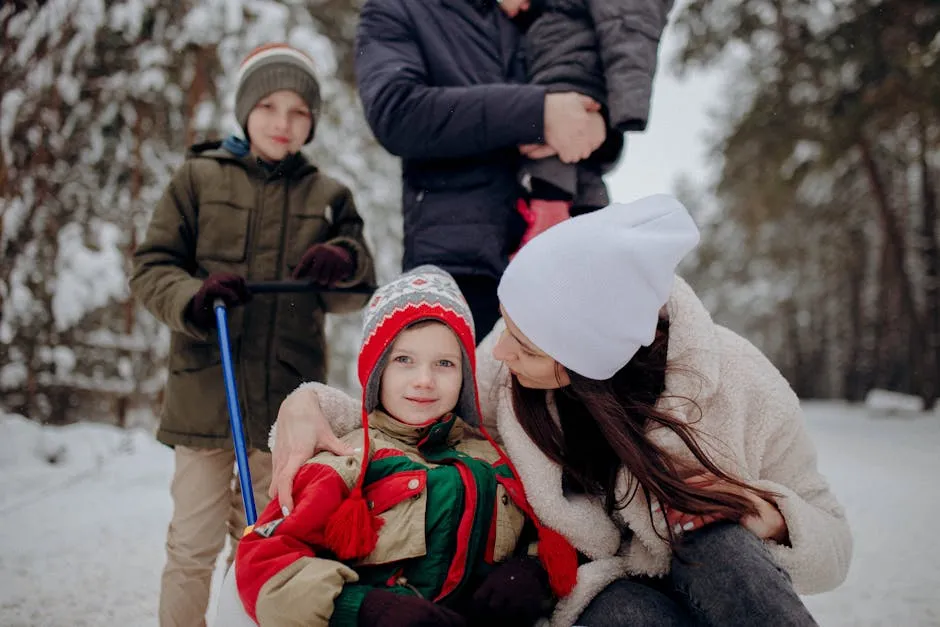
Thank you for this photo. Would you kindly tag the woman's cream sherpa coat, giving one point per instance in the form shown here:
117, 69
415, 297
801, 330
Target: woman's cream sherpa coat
750, 423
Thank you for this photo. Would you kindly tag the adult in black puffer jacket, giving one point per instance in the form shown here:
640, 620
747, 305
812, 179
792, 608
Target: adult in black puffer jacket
606, 50
443, 86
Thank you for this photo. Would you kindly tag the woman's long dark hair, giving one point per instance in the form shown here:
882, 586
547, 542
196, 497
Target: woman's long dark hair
604, 427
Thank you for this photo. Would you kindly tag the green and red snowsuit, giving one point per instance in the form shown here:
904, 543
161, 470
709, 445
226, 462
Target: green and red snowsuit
450, 505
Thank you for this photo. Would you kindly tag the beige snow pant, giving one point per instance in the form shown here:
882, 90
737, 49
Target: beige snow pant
207, 503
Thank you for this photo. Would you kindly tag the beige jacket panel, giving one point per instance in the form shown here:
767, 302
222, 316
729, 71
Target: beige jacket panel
302, 594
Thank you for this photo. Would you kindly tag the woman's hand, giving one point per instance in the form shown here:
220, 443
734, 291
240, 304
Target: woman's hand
302, 431
681, 523
767, 524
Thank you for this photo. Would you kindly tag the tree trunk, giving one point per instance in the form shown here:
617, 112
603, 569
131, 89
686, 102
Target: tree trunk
197, 91
129, 308
895, 257
931, 256
894, 238
882, 336
797, 361
854, 378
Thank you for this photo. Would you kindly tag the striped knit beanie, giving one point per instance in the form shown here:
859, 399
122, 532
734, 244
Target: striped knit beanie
271, 68
428, 293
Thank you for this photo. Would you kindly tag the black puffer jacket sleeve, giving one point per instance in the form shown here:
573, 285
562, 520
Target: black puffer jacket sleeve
415, 120
562, 50
628, 33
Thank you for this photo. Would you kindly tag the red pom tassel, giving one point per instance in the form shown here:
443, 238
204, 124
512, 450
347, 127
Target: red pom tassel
352, 531
560, 561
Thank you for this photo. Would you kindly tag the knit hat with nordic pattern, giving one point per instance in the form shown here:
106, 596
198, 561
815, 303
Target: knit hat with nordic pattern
428, 293
271, 68
424, 293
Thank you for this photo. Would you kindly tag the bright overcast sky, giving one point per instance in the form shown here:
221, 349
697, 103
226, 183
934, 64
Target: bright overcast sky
675, 140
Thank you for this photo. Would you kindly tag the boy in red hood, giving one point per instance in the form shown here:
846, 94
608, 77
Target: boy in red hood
425, 528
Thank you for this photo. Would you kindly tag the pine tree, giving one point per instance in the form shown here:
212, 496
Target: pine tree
827, 175
98, 102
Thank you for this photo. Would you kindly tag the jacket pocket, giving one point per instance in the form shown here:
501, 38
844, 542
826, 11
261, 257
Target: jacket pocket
401, 500
508, 522
195, 402
188, 355
223, 232
468, 246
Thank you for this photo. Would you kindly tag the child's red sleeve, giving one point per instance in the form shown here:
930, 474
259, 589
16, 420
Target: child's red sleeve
276, 541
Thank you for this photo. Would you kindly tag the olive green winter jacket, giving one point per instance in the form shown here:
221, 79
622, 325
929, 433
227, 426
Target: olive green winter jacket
223, 213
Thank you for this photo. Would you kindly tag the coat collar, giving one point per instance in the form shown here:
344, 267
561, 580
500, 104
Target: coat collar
293, 166
581, 519
446, 430
693, 363
694, 368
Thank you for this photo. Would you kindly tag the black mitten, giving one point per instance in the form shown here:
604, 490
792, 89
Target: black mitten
385, 608
515, 593
231, 288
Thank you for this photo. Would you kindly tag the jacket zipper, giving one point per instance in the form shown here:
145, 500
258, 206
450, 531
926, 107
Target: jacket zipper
277, 275
252, 236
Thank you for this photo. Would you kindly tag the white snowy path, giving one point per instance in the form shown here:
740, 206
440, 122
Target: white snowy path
82, 540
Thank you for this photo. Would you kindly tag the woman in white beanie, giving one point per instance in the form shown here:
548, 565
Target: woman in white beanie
667, 449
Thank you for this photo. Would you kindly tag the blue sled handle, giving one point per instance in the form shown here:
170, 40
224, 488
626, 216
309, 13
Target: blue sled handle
228, 373
235, 414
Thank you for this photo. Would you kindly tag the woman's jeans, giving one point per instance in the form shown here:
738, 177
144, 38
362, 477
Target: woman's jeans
727, 579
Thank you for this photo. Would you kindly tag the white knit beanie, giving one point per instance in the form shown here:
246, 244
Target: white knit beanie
588, 291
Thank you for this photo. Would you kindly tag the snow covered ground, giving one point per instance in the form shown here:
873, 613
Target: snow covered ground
82, 540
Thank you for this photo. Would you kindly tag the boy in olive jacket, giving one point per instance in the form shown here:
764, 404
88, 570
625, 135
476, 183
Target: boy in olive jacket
239, 211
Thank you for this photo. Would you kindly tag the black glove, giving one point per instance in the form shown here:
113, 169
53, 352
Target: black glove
325, 264
231, 288
516, 593
385, 608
